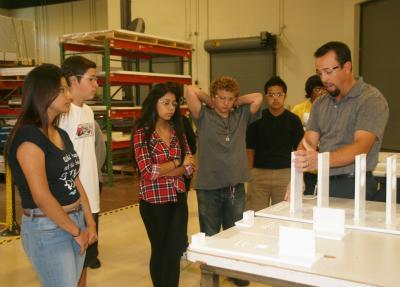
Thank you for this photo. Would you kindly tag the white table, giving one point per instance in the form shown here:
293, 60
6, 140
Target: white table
360, 259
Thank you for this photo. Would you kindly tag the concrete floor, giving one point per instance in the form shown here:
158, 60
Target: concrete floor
123, 244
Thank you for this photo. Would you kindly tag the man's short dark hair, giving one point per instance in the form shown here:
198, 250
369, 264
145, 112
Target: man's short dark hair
342, 51
275, 81
76, 66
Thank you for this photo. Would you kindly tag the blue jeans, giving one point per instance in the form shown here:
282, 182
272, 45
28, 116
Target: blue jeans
220, 207
52, 251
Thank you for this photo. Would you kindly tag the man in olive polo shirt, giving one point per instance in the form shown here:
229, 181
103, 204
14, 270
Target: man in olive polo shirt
348, 121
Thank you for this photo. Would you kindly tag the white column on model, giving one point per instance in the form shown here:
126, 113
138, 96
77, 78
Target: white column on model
360, 186
323, 180
296, 188
391, 188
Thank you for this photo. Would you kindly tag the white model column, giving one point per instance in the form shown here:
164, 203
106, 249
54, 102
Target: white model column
296, 188
391, 188
323, 180
360, 186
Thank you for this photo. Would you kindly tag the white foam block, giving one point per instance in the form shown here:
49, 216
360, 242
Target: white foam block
248, 219
198, 239
297, 243
360, 187
323, 180
391, 188
296, 188
329, 222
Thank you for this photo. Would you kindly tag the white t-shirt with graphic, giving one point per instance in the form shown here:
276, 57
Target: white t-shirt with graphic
79, 124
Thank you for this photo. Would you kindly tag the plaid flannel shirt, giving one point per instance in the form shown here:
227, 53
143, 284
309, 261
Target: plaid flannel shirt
153, 187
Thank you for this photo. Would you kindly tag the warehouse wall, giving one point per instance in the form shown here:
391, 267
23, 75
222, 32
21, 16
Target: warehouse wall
302, 26
55, 20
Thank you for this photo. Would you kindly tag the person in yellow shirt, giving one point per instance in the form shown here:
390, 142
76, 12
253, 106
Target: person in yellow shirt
314, 88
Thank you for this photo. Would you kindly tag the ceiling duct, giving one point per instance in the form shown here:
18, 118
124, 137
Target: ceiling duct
16, 4
264, 41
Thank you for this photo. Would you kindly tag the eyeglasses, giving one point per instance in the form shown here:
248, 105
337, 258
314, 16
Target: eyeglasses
319, 90
223, 99
327, 71
275, 95
91, 79
166, 103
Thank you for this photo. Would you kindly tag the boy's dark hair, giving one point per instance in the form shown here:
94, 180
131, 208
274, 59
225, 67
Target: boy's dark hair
275, 81
341, 50
311, 83
76, 66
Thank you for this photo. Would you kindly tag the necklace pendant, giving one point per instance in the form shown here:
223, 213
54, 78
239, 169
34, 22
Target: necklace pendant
227, 139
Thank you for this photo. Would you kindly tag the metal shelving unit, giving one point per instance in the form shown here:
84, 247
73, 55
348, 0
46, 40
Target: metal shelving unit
11, 226
7, 112
134, 46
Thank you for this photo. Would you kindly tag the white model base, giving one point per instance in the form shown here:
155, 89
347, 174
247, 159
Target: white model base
372, 220
258, 243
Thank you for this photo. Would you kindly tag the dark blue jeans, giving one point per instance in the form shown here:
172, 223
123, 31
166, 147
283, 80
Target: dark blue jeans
310, 181
220, 207
344, 187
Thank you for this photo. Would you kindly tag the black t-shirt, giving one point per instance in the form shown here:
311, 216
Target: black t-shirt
274, 138
62, 166
190, 136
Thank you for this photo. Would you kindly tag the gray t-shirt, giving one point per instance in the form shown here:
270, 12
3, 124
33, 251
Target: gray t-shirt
364, 108
100, 149
222, 148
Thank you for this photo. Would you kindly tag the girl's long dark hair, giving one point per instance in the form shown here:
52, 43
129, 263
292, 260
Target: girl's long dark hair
149, 116
40, 89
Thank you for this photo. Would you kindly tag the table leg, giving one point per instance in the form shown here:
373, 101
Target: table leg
209, 279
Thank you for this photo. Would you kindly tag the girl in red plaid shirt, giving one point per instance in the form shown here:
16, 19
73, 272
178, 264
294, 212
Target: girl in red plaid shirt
163, 159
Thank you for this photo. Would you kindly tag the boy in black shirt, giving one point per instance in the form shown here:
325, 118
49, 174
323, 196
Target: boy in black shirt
270, 141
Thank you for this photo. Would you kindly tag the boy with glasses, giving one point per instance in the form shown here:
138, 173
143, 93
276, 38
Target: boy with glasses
79, 124
221, 127
270, 141
348, 121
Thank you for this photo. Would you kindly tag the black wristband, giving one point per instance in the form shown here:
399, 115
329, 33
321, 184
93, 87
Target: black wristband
79, 233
